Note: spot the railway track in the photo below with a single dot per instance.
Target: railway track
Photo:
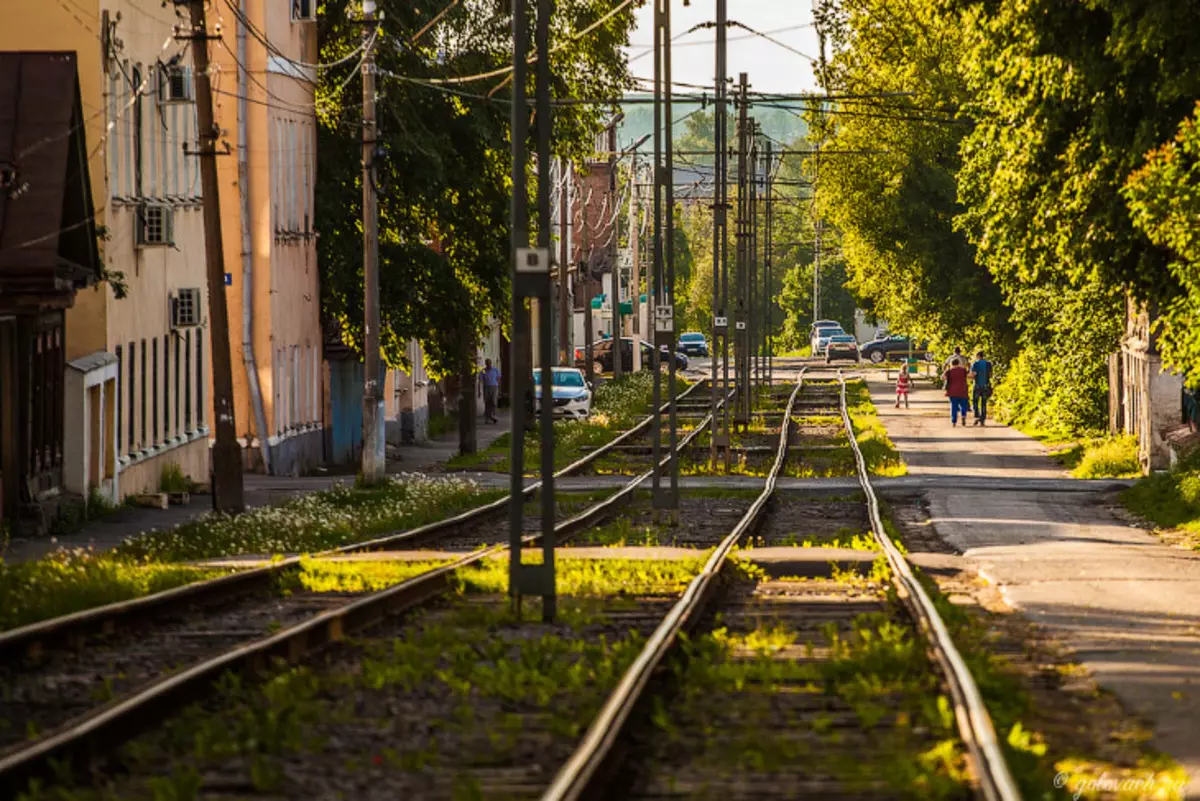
(100, 695)
(685, 732)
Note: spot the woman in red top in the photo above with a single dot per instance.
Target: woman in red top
(956, 391)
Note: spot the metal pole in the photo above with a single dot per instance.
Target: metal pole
(656, 439)
(615, 300)
(542, 99)
(752, 282)
(519, 379)
(722, 148)
(564, 261)
(742, 341)
(667, 335)
(768, 258)
(226, 453)
(374, 465)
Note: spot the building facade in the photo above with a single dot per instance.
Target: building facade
(1145, 400)
(48, 252)
(264, 104)
(141, 359)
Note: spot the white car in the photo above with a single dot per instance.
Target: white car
(571, 394)
(821, 334)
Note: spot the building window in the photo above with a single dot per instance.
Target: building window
(154, 388)
(142, 441)
(178, 416)
(199, 379)
(117, 400)
(187, 381)
(304, 10)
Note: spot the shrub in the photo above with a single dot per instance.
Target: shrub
(1114, 457)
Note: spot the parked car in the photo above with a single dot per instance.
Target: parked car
(841, 346)
(693, 343)
(820, 336)
(571, 394)
(602, 356)
(896, 347)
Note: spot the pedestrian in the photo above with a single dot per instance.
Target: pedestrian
(956, 356)
(903, 385)
(956, 391)
(491, 390)
(981, 375)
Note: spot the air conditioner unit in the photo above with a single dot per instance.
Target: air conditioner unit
(304, 10)
(155, 224)
(175, 85)
(185, 308)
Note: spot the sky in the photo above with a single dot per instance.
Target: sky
(771, 68)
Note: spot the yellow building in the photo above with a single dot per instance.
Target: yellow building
(264, 104)
(144, 357)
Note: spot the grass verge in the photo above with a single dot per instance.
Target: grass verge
(1170, 500)
(68, 581)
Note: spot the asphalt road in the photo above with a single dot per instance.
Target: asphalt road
(1126, 603)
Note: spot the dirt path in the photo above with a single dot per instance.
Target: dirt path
(1126, 603)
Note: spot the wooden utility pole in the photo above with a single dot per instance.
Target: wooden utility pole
(374, 465)
(584, 279)
(564, 263)
(226, 453)
(615, 281)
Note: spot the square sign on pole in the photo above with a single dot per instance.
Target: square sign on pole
(664, 325)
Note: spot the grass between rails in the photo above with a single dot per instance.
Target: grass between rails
(68, 581)
(617, 406)
(879, 670)
(451, 694)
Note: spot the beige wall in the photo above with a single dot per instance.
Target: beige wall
(281, 148)
(139, 36)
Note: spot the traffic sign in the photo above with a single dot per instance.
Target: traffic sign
(664, 319)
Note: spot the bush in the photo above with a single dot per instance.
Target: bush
(1054, 392)
(1169, 499)
(1114, 457)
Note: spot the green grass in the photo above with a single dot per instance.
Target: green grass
(879, 670)
(618, 405)
(69, 581)
(477, 674)
(311, 523)
(1107, 457)
(441, 424)
(880, 454)
(803, 352)
(327, 575)
(172, 479)
(1169, 500)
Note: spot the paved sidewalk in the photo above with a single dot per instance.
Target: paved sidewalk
(1127, 604)
(108, 532)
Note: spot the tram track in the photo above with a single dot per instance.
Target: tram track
(640, 745)
(247, 628)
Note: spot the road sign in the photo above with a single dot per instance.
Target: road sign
(664, 319)
(533, 261)
(741, 325)
(721, 322)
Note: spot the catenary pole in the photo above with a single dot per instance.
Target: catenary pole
(227, 487)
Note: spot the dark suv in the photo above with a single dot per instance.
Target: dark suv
(602, 355)
(893, 348)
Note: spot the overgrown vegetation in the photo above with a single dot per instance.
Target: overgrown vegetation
(617, 406)
(312, 522)
(68, 581)
(1170, 499)
(1101, 457)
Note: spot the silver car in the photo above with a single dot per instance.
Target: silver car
(571, 394)
(821, 335)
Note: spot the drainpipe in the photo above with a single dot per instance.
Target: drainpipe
(260, 415)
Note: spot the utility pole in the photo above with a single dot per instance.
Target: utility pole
(583, 279)
(226, 453)
(615, 301)
(816, 180)
(752, 282)
(742, 341)
(564, 262)
(636, 269)
(373, 454)
(720, 304)
(531, 281)
(768, 265)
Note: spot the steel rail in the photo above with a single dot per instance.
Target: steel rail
(974, 722)
(105, 727)
(574, 779)
(76, 626)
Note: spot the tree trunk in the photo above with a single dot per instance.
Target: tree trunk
(466, 396)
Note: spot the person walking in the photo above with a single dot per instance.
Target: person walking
(903, 385)
(981, 375)
(956, 356)
(956, 391)
(491, 390)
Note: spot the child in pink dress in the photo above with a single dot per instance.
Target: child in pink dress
(903, 384)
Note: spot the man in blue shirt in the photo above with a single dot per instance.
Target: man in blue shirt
(491, 390)
(981, 375)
